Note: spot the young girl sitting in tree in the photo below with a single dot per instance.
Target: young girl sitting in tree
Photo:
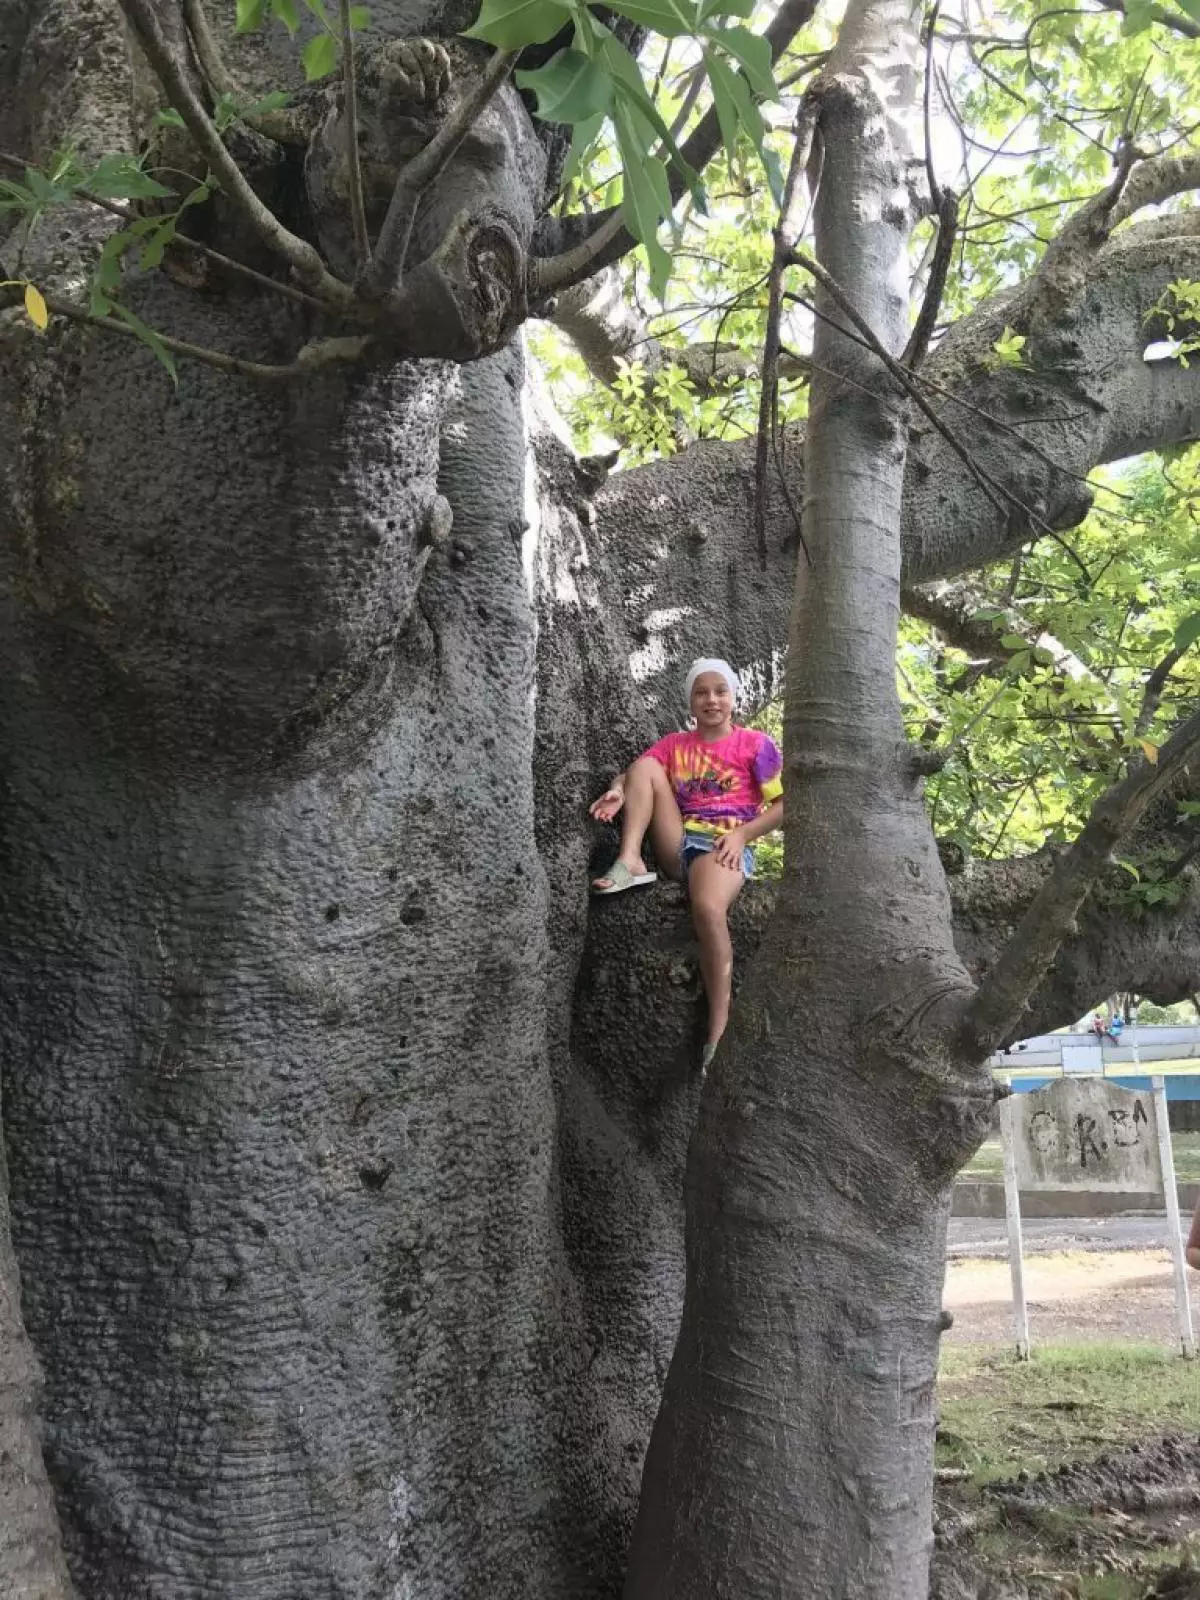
(704, 796)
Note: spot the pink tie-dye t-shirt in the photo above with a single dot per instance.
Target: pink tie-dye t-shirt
(720, 783)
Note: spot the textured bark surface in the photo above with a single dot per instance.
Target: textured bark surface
(346, 1147)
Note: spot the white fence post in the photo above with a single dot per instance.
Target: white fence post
(1183, 1305)
(1012, 1213)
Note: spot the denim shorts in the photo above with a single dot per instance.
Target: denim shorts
(703, 844)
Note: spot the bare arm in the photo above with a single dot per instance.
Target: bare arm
(766, 822)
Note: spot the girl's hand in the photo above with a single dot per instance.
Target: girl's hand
(609, 803)
(729, 848)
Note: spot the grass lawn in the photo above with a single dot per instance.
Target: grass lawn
(1068, 1403)
(988, 1160)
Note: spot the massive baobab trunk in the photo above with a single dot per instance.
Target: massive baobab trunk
(346, 1176)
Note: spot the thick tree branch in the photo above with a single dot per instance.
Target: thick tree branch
(995, 1012)
(383, 273)
(1157, 179)
(358, 213)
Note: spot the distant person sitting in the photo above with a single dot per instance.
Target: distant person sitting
(1116, 1027)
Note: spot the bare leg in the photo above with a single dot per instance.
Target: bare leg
(650, 807)
(712, 889)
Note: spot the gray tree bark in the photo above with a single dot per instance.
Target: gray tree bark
(345, 1194)
(793, 1451)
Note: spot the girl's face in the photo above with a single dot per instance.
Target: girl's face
(712, 701)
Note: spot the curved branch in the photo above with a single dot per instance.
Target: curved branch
(382, 273)
(1157, 179)
(1000, 1001)
(606, 331)
(320, 353)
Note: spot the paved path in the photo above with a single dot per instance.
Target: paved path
(985, 1238)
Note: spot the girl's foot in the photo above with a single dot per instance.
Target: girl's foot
(624, 875)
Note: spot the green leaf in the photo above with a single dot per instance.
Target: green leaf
(15, 197)
(754, 54)
(725, 8)
(735, 109)
(1188, 632)
(360, 18)
(148, 337)
(511, 24)
(168, 118)
(646, 188)
(1138, 17)
(250, 14)
(669, 18)
(569, 88)
(156, 247)
(773, 168)
(120, 178)
(320, 56)
(726, 109)
(630, 89)
(275, 101)
(285, 11)
(107, 276)
(582, 139)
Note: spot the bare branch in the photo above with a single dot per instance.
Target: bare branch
(1152, 689)
(300, 256)
(589, 255)
(995, 1012)
(787, 234)
(127, 214)
(358, 213)
(996, 492)
(321, 353)
(947, 232)
(607, 331)
(208, 53)
(382, 274)
(221, 81)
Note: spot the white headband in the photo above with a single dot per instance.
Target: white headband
(714, 664)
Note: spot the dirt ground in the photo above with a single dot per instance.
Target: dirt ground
(1070, 1295)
